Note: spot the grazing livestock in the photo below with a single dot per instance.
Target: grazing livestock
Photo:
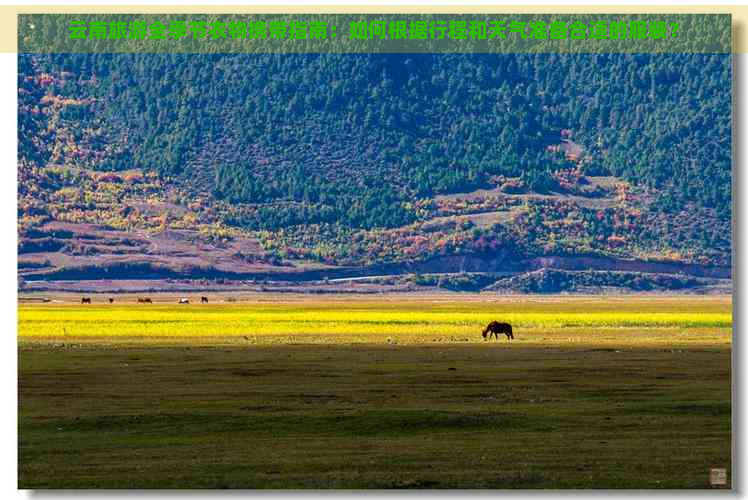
(203, 300)
(184, 301)
(495, 328)
(111, 300)
(144, 300)
(86, 300)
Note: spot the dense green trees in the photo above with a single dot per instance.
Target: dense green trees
(354, 138)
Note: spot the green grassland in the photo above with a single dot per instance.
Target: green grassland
(394, 392)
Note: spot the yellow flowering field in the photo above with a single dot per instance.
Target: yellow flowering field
(691, 320)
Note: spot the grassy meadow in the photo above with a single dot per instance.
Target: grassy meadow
(635, 321)
(387, 392)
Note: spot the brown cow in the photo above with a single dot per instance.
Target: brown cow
(495, 328)
(203, 300)
(86, 300)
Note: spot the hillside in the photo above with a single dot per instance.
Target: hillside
(150, 171)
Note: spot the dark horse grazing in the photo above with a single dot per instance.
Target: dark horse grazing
(495, 328)
(203, 300)
(86, 300)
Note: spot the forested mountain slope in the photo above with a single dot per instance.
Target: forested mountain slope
(249, 163)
